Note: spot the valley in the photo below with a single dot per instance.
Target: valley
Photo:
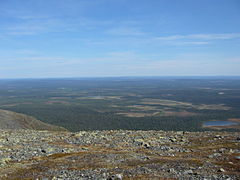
(125, 103)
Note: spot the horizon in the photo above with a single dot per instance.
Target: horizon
(129, 77)
(105, 38)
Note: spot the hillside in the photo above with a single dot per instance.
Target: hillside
(12, 120)
(111, 155)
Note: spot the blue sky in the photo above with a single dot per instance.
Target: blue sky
(96, 38)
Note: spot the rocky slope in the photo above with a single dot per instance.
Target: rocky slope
(12, 120)
(28, 154)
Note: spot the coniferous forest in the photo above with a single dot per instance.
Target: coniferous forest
(144, 103)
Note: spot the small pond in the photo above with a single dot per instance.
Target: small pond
(219, 123)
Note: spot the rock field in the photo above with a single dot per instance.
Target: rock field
(112, 155)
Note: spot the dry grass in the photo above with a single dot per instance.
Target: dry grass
(222, 127)
(60, 98)
(143, 107)
(178, 113)
(135, 114)
(57, 102)
(234, 119)
(164, 102)
(15, 104)
(162, 113)
(101, 97)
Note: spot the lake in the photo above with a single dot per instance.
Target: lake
(219, 123)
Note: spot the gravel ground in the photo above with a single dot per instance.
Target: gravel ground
(29, 154)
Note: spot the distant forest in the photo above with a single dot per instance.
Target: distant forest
(125, 103)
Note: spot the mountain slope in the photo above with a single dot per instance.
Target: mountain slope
(13, 120)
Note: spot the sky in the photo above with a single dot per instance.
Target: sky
(108, 38)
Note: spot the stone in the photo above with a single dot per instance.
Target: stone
(173, 139)
(126, 156)
(171, 170)
(218, 137)
(222, 150)
(221, 170)
(146, 145)
(5, 160)
(118, 176)
(188, 172)
(237, 157)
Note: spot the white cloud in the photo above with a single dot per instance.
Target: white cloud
(196, 39)
(43, 58)
(122, 54)
(188, 43)
(201, 37)
(32, 25)
(182, 67)
(125, 31)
